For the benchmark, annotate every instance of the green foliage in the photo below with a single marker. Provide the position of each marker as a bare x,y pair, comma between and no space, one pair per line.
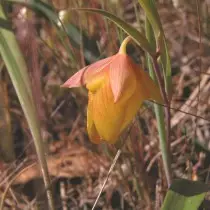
5,24
152,15
184,195
39,6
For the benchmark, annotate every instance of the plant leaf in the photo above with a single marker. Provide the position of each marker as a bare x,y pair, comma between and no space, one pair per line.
5,24
40,6
185,195
150,9
137,36
152,15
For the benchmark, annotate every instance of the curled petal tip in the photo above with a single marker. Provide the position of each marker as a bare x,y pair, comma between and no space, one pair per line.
75,81
65,85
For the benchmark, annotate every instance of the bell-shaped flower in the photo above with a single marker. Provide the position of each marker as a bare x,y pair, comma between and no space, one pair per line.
117,88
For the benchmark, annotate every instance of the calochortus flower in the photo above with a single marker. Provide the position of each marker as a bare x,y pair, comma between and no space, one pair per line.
117,88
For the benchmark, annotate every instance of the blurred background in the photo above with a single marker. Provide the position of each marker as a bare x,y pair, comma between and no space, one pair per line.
54,52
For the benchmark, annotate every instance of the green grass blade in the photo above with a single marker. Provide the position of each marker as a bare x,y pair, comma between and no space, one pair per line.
167,67
17,70
40,6
152,15
151,12
5,24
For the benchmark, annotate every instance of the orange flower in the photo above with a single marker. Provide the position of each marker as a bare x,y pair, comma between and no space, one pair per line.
117,88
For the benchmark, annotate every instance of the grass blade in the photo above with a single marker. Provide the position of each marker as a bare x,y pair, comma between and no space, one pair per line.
17,70
151,12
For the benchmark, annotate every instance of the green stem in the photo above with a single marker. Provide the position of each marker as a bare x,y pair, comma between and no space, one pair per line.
163,142
164,132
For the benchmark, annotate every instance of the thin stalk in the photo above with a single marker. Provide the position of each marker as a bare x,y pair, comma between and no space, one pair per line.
200,62
108,175
165,135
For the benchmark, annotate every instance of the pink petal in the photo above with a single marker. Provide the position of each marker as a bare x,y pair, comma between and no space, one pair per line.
87,74
76,80
120,72
96,68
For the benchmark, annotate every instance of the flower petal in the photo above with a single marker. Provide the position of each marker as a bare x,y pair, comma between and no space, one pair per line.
122,76
94,69
132,107
95,74
94,84
76,80
87,74
145,89
148,88
107,115
91,129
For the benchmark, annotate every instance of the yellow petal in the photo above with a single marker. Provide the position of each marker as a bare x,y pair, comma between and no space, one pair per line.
107,115
96,82
132,106
95,73
91,129
147,87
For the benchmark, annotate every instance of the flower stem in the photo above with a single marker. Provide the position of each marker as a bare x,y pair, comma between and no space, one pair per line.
123,46
164,138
